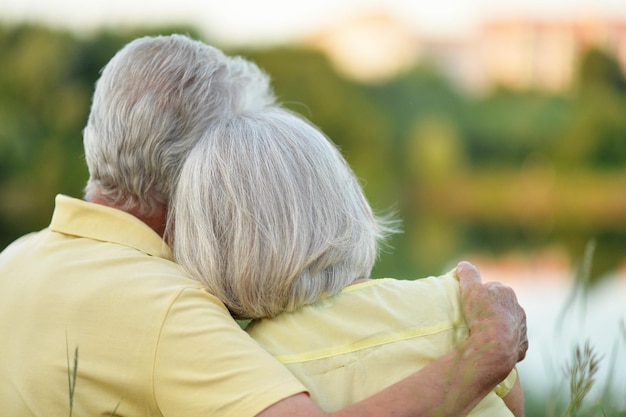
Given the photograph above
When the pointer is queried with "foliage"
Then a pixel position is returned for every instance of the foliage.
(511, 170)
(586, 395)
(507, 171)
(580, 376)
(46, 82)
(72, 378)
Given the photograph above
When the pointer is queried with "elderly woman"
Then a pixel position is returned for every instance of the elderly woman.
(271, 218)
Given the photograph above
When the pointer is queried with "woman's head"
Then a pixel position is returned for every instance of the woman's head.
(153, 101)
(269, 216)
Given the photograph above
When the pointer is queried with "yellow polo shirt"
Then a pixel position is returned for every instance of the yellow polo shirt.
(347, 347)
(150, 341)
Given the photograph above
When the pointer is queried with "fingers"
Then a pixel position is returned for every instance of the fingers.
(493, 309)
(523, 346)
(467, 274)
(509, 306)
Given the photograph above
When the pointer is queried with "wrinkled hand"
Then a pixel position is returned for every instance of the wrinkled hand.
(492, 313)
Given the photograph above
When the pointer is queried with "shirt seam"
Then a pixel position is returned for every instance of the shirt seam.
(157, 345)
(365, 284)
(367, 343)
(285, 389)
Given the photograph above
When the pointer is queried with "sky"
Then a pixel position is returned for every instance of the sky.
(249, 22)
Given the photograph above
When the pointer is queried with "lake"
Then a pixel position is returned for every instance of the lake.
(561, 318)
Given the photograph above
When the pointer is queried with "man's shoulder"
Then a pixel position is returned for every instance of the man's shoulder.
(124, 275)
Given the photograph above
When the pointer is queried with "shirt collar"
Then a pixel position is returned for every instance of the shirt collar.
(94, 221)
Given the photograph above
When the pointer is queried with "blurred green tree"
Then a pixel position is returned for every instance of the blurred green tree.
(508, 171)
(46, 82)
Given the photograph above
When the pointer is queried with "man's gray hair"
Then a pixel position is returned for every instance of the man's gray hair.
(152, 103)
(269, 215)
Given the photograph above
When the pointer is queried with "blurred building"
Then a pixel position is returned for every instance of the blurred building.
(516, 52)
(534, 53)
(369, 47)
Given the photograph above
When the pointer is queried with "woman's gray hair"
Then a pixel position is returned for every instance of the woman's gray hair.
(153, 101)
(269, 216)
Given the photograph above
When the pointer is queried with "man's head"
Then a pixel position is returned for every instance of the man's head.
(152, 103)
(270, 216)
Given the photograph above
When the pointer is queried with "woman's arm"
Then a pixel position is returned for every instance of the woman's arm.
(455, 383)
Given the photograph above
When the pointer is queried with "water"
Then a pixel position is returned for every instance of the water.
(561, 318)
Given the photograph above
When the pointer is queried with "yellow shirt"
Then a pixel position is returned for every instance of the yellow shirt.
(347, 347)
(149, 338)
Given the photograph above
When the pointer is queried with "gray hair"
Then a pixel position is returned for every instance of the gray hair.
(269, 216)
(152, 103)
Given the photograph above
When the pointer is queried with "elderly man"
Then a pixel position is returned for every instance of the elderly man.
(97, 292)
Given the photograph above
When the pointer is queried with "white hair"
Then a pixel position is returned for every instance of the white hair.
(153, 101)
(269, 216)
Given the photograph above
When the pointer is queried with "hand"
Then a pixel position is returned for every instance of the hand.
(493, 314)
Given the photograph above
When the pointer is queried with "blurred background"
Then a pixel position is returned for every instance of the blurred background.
(495, 129)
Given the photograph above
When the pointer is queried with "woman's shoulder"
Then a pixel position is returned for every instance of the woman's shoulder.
(432, 285)
(431, 298)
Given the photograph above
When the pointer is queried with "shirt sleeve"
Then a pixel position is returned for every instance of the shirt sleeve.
(505, 386)
(205, 365)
